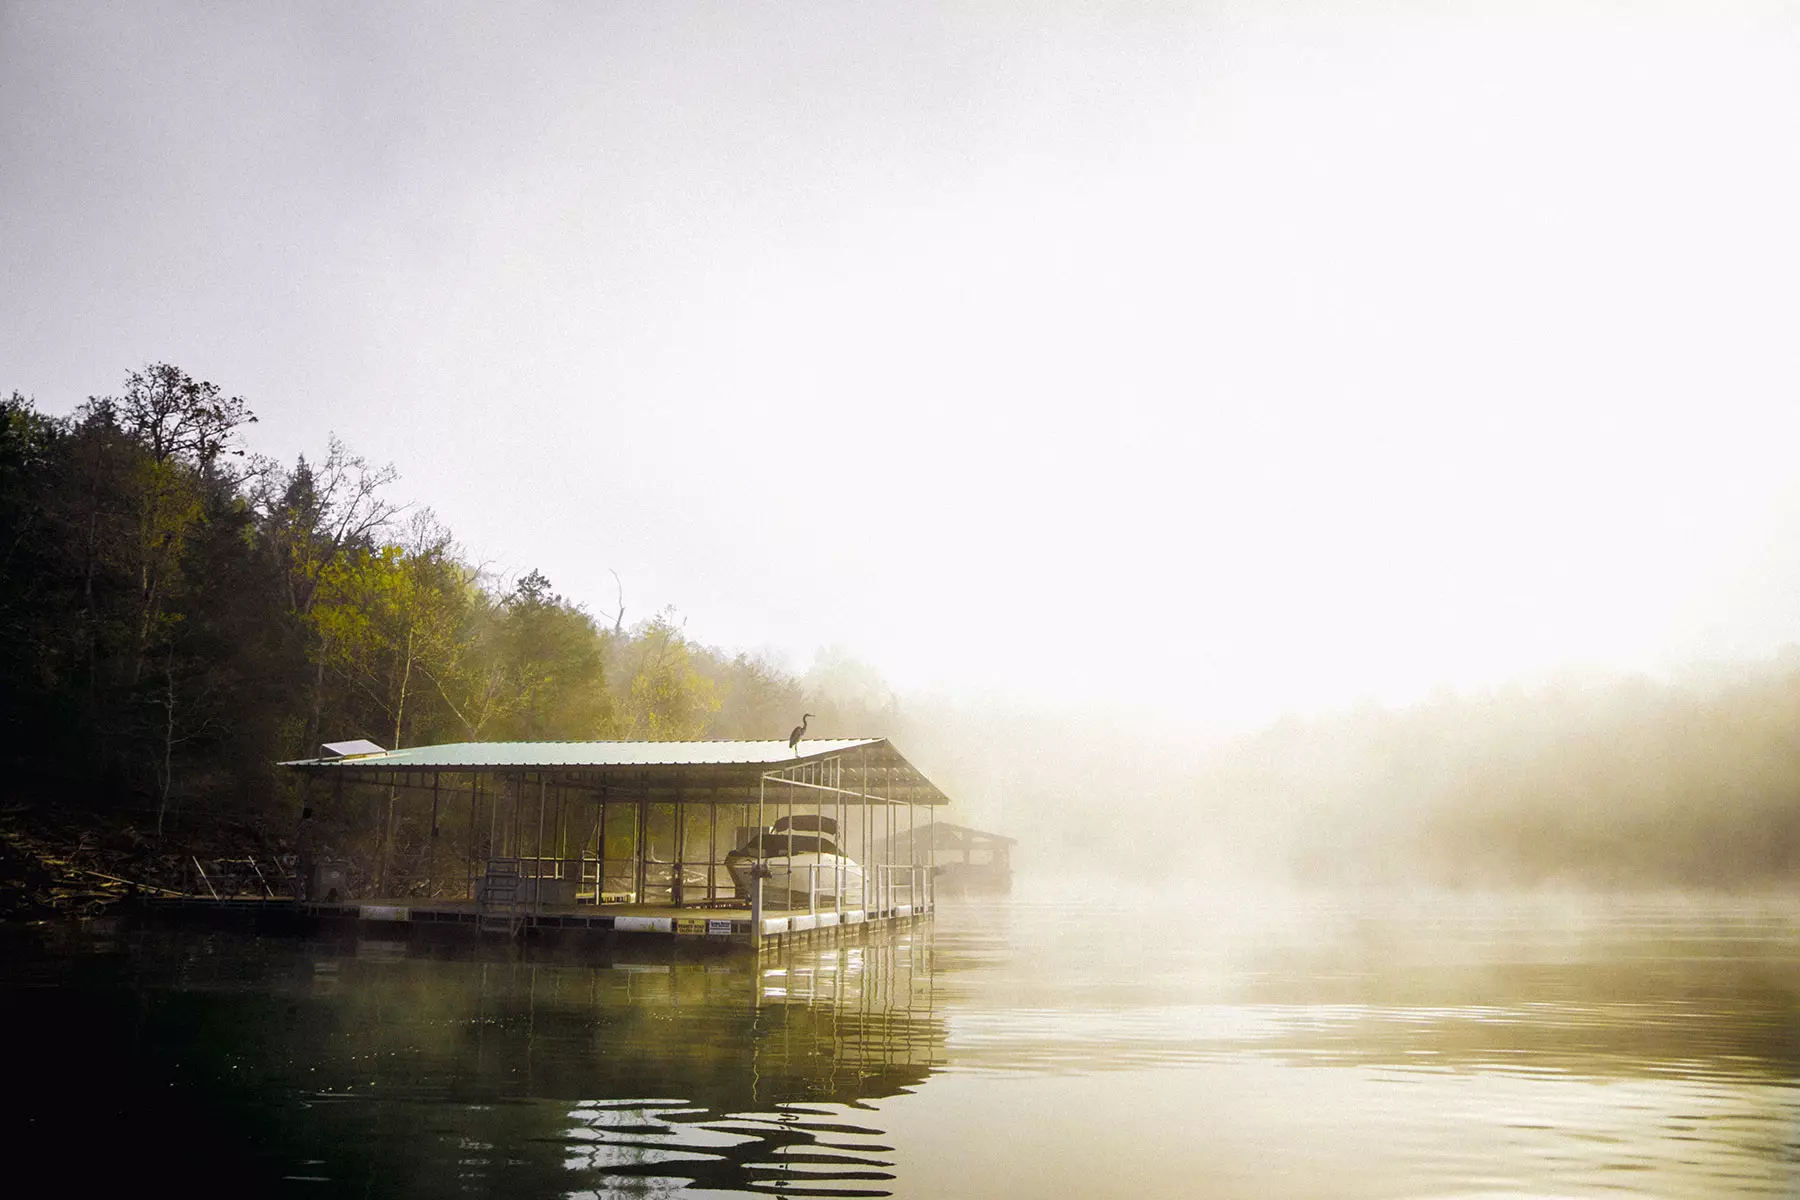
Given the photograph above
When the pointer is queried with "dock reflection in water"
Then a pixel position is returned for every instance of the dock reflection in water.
(827, 1031)
(394, 1068)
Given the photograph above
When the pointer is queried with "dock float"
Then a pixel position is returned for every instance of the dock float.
(713, 926)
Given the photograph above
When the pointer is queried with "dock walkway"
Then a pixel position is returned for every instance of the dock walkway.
(728, 925)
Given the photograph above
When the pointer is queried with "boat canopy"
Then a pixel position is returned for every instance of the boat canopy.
(808, 821)
(784, 845)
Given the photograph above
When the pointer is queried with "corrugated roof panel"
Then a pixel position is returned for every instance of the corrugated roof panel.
(490, 755)
(349, 749)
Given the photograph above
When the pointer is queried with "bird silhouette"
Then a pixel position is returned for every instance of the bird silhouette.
(799, 732)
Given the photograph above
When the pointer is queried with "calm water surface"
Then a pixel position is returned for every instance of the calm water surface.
(1302, 1047)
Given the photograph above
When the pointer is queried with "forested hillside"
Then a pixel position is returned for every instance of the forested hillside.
(178, 613)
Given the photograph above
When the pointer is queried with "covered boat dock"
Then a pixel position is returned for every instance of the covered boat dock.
(608, 837)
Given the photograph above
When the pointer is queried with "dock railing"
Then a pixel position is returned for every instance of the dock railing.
(895, 884)
(551, 881)
(884, 887)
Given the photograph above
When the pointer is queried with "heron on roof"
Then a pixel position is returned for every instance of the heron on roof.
(799, 732)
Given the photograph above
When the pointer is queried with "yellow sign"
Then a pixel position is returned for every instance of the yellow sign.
(690, 925)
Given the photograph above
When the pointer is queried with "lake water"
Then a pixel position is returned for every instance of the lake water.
(1395, 1046)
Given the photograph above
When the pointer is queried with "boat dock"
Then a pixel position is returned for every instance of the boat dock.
(733, 926)
(605, 924)
(607, 841)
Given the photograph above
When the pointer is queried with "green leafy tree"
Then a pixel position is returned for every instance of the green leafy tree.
(387, 620)
(312, 519)
(185, 431)
(36, 642)
(667, 698)
(555, 666)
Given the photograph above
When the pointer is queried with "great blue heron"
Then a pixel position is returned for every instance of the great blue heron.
(799, 732)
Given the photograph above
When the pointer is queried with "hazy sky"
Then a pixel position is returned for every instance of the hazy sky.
(1216, 357)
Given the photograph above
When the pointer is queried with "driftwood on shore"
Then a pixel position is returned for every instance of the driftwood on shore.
(78, 865)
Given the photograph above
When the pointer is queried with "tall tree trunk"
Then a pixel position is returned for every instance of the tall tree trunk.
(317, 715)
(90, 638)
(143, 633)
(388, 831)
(166, 775)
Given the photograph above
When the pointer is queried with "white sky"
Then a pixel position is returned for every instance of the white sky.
(1203, 358)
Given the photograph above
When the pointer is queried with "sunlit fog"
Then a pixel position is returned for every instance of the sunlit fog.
(1155, 599)
(1195, 361)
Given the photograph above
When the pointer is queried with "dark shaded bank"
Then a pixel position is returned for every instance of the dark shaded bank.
(74, 863)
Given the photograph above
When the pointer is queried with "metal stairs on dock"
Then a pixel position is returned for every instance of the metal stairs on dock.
(497, 911)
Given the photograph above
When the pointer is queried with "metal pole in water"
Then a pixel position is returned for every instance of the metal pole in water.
(912, 851)
(431, 847)
(931, 856)
(537, 869)
(838, 872)
(758, 872)
(469, 862)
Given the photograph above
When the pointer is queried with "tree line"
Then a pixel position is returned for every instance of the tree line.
(1596, 780)
(179, 613)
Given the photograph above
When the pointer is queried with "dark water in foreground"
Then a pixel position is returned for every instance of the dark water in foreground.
(1393, 1047)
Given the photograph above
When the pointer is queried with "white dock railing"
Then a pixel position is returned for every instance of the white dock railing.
(883, 888)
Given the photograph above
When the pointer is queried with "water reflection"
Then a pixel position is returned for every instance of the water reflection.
(639, 1148)
(1625, 990)
(829, 1030)
(1341, 1049)
(402, 1068)
(1428, 1047)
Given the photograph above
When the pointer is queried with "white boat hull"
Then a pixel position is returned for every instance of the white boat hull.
(803, 880)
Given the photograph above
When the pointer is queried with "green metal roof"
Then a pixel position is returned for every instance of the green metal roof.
(869, 766)
(490, 756)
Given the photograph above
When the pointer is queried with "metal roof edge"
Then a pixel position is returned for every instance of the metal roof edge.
(410, 755)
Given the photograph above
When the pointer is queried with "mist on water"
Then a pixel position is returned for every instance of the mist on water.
(1229, 362)
(1582, 782)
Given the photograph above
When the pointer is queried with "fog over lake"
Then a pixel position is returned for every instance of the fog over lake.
(1307, 1046)
(1318, 478)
